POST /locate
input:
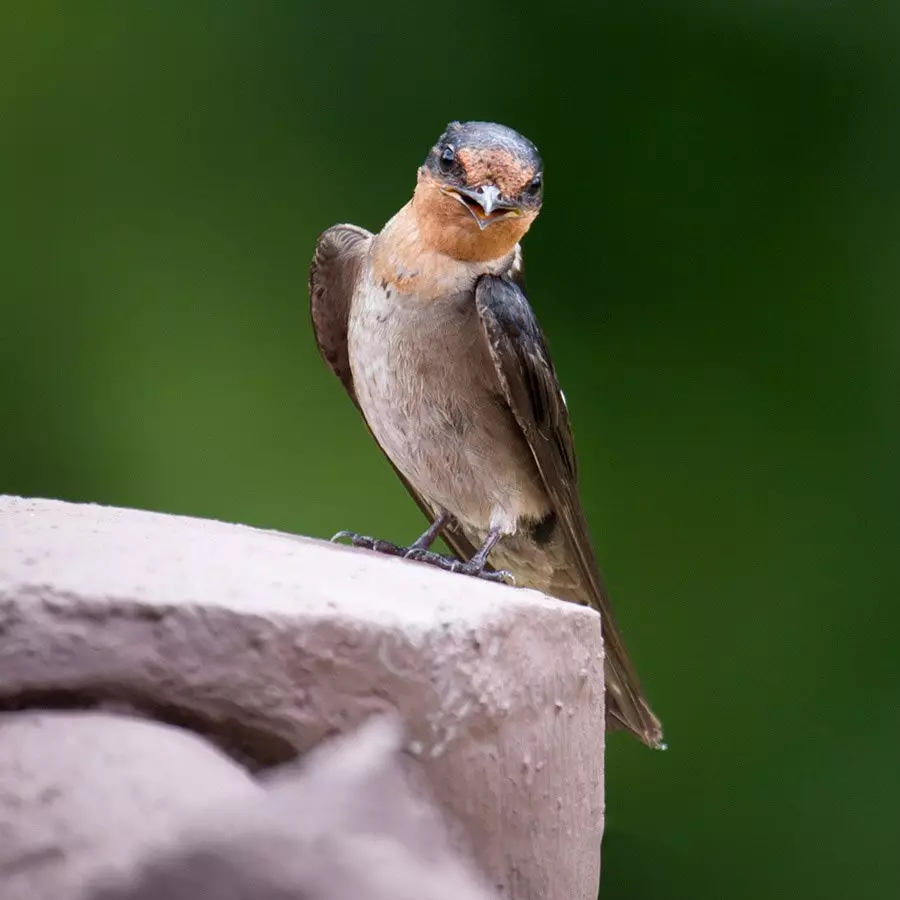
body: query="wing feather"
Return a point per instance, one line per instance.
(530, 386)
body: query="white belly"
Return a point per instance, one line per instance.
(429, 393)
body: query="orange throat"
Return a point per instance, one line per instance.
(447, 226)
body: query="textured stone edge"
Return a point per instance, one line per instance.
(492, 748)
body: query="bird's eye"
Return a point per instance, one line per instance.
(535, 186)
(447, 158)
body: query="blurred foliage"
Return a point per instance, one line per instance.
(717, 269)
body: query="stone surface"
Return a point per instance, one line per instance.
(86, 793)
(345, 825)
(266, 642)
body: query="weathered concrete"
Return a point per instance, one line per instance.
(85, 793)
(346, 825)
(266, 643)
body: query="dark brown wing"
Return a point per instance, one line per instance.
(335, 270)
(530, 386)
(336, 267)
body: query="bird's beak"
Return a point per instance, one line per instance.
(485, 203)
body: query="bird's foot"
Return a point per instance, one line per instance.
(369, 543)
(473, 567)
(451, 564)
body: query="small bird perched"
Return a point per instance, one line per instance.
(427, 326)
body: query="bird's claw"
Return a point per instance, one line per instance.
(420, 554)
(369, 543)
(429, 557)
(498, 576)
(451, 564)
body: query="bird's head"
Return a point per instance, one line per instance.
(479, 190)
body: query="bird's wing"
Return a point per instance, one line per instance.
(530, 386)
(336, 268)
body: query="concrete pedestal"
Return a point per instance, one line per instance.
(263, 644)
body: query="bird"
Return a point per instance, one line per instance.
(428, 328)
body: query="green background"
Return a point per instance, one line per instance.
(716, 267)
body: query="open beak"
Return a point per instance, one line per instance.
(486, 203)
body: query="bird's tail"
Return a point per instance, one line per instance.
(626, 705)
(559, 568)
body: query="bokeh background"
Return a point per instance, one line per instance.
(716, 266)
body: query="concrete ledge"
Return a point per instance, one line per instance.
(344, 825)
(266, 643)
(86, 793)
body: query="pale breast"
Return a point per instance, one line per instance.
(429, 392)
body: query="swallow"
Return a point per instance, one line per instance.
(427, 326)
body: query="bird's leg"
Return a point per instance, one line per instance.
(430, 536)
(421, 544)
(475, 566)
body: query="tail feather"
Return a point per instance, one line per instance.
(551, 569)
(626, 706)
